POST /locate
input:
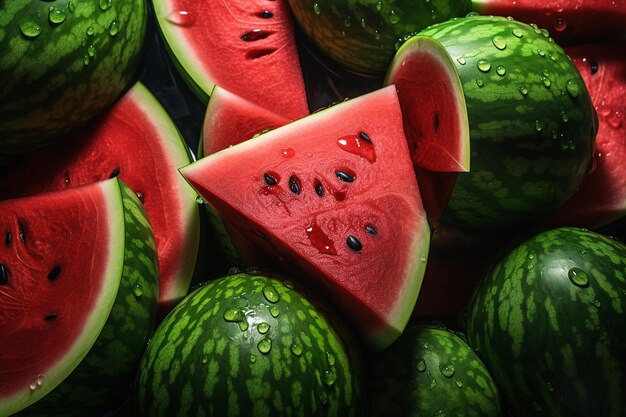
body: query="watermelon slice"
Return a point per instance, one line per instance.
(230, 119)
(137, 141)
(334, 194)
(78, 292)
(568, 21)
(245, 46)
(601, 198)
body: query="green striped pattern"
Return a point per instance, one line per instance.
(54, 82)
(249, 346)
(103, 379)
(548, 320)
(532, 124)
(363, 35)
(431, 371)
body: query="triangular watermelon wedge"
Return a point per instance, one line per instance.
(334, 195)
(245, 46)
(78, 283)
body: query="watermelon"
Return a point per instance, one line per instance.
(524, 105)
(137, 141)
(352, 218)
(251, 346)
(601, 198)
(569, 21)
(230, 119)
(78, 295)
(247, 47)
(430, 371)
(548, 321)
(62, 63)
(363, 35)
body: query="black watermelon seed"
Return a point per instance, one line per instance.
(319, 189)
(266, 14)
(370, 229)
(344, 176)
(115, 173)
(4, 275)
(436, 121)
(255, 35)
(50, 317)
(354, 243)
(269, 180)
(8, 238)
(365, 137)
(294, 184)
(593, 65)
(141, 197)
(54, 273)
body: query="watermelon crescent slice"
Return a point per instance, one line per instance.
(245, 46)
(49, 319)
(334, 194)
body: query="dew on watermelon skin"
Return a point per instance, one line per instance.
(420, 366)
(483, 65)
(296, 349)
(265, 345)
(274, 311)
(317, 9)
(4, 275)
(30, 29)
(56, 16)
(320, 240)
(138, 291)
(447, 370)
(104, 4)
(499, 42)
(271, 294)
(113, 28)
(596, 303)
(182, 18)
(90, 31)
(71, 6)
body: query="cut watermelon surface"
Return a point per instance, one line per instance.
(230, 119)
(601, 198)
(137, 141)
(246, 47)
(60, 267)
(335, 195)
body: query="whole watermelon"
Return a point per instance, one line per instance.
(251, 346)
(548, 321)
(62, 62)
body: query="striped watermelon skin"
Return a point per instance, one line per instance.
(548, 321)
(103, 380)
(532, 124)
(212, 356)
(60, 76)
(431, 371)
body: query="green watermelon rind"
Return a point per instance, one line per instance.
(95, 321)
(115, 355)
(179, 155)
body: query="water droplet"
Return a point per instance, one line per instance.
(90, 31)
(296, 349)
(234, 315)
(274, 311)
(330, 358)
(252, 358)
(439, 413)
(30, 29)
(572, 88)
(615, 119)
(376, 34)
(546, 34)
(596, 303)
(137, 290)
(360, 145)
(271, 294)
(479, 82)
(564, 116)
(546, 81)
(447, 370)
(459, 383)
(91, 51)
(379, 6)
(56, 16)
(538, 128)
(323, 397)
(541, 53)
(523, 90)
(461, 60)
(330, 377)
(86, 60)
(499, 42)
(316, 9)
(264, 345)
(181, 18)
(549, 387)
(501, 71)
(263, 327)
(104, 4)
(518, 33)
(33, 385)
(289, 284)
(205, 360)
(320, 240)
(420, 366)
(113, 28)
(578, 277)
(560, 24)
(348, 21)
(71, 6)
(393, 17)
(483, 65)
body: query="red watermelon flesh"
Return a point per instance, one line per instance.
(245, 46)
(47, 242)
(230, 119)
(568, 21)
(137, 141)
(601, 198)
(334, 194)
